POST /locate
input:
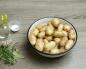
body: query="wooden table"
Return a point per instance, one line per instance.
(26, 11)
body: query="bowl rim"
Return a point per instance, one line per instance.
(48, 53)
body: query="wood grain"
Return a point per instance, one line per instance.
(26, 11)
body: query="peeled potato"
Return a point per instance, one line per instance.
(41, 34)
(55, 22)
(60, 27)
(49, 46)
(72, 34)
(32, 39)
(63, 41)
(58, 34)
(54, 51)
(49, 38)
(67, 27)
(49, 30)
(39, 45)
(57, 40)
(69, 44)
(35, 31)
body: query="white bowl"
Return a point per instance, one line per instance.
(45, 21)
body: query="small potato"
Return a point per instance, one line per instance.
(45, 41)
(62, 49)
(40, 26)
(49, 30)
(58, 34)
(57, 40)
(49, 46)
(41, 34)
(67, 27)
(69, 44)
(63, 41)
(49, 38)
(65, 33)
(60, 27)
(54, 51)
(72, 34)
(39, 45)
(32, 39)
(55, 22)
(43, 28)
(35, 31)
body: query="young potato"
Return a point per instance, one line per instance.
(39, 44)
(57, 40)
(60, 27)
(41, 34)
(49, 38)
(69, 44)
(32, 38)
(67, 27)
(54, 51)
(49, 30)
(35, 31)
(65, 33)
(63, 41)
(43, 28)
(62, 49)
(58, 34)
(49, 46)
(55, 22)
(72, 34)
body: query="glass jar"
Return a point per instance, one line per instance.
(4, 28)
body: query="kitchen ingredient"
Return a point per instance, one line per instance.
(15, 28)
(9, 54)
(32, 39)
(55, 22)
(69, 44)
(63, 41)
(60, 27)
(41, 34)
(54, 37)
(67, 27)
(39, 44)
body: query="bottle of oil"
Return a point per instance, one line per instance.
(4, 29)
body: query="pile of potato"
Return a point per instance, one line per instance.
(53, 38)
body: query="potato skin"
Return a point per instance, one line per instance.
(32, 38)
(49, 30)
(67, 27)
(65, 33)
(57, 40)
(49, 38)
(72, 34)
(39, 45)
(54, 51)
(63, 41)
(49, 46)
(55, 22)
(60, 27)
(35, 31)
(58, 34)
(69, 44)
(41, 34)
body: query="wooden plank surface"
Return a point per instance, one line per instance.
(26, 11)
